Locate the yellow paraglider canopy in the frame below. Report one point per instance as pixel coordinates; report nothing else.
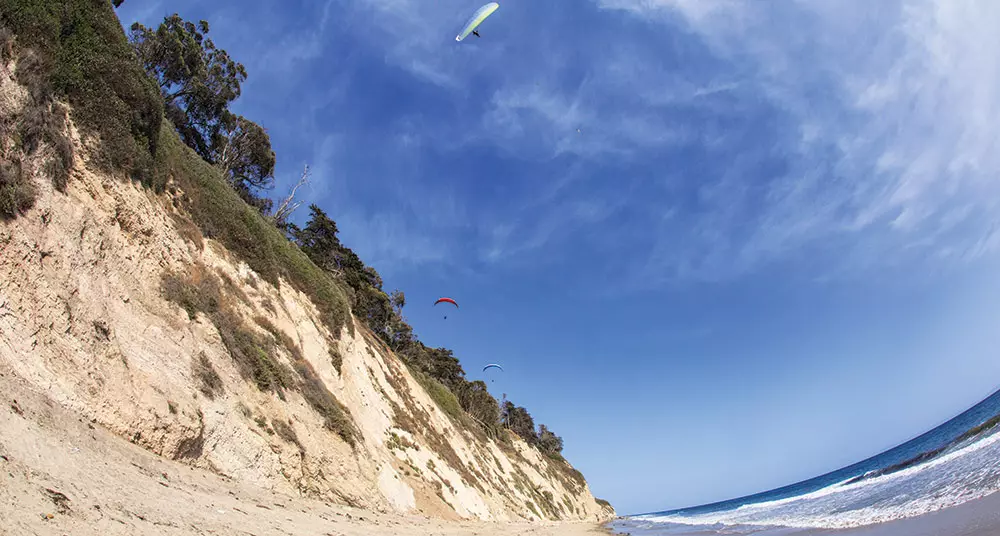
(477, 18)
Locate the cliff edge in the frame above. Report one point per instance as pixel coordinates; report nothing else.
(115, 306)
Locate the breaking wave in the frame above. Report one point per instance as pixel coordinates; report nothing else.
(956, 462)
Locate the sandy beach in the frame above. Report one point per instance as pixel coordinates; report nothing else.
(63, 475)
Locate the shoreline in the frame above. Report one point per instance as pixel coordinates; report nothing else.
(979, 517)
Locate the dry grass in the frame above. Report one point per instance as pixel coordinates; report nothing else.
(17, 190)
(197, 291)
(336, 417)
(336, 359)
(209, 381)
(188, 230)
(417, 422)
(82, 55)
(286, 432)
(232, 290)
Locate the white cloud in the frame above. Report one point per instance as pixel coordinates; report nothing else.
(414, 36)
(695, 10)
(281, 57)
(848, 135)
(393, 222)
(900, 155)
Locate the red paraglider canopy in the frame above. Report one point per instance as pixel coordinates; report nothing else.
(449, 300)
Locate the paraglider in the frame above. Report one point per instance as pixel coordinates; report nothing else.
(446, 300)
(492, 365)
(472, 26)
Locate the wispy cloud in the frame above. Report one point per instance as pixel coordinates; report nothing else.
(283, 54)
(414, 35)
(672, 139)
(895, 152)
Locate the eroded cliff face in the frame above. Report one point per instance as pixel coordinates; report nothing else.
(84, 320)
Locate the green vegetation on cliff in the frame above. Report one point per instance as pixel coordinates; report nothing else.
(157, 103)
(85, 59)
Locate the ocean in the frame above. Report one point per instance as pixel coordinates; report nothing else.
(954, 463)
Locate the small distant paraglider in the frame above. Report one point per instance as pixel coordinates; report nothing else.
(472, 26)
(446, 300)
(492, 365)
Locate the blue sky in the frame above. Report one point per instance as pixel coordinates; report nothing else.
(719, 246)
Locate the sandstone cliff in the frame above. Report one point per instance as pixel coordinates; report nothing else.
(91, 319)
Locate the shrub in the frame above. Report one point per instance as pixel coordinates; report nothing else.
(221, 215)
(84, 56)
(41, 120)
(17, 191)
(286, 432)
(531, 506)
(196, 292)
(254, 356)
(442, 396)
(209, 381)
(199, 292)
(336, 417)
(336, 359)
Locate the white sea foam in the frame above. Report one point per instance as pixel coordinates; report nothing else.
(967, 473)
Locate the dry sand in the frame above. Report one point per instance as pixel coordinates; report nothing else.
(62, 475)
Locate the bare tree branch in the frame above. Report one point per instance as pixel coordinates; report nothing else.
(289, 205)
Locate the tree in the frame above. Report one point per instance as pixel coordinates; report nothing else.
(519, 421)
(117, 3)
(198, 81)
(480, 404)
(444, 367)
(548, 442)
(400, 334)
(241, 149)
(398, 300)
(289, 205)
(261, 203)
(319, 241)
(369, 302)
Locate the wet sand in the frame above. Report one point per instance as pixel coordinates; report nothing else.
(975, 518)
